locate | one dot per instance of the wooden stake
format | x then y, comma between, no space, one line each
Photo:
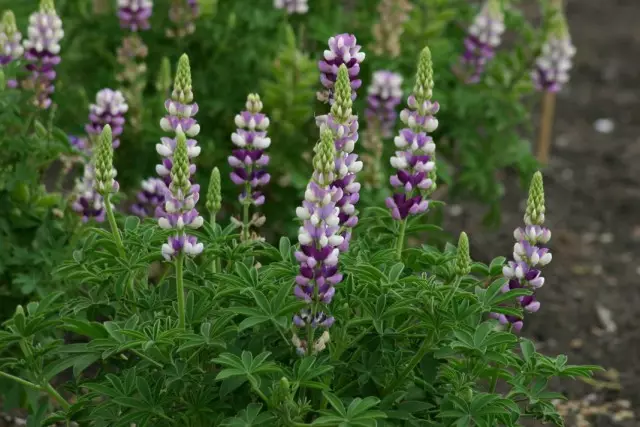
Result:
546,125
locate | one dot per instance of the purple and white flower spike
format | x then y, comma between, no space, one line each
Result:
41,50
292,6
109,109
135,14
529,254
319,247
415,162
385,93
180,112
552,67
183,14
10,39
343,49
89,204
483,37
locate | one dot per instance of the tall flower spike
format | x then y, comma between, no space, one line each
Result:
529,255
214,193
10,39
42,50
414,160
344,125
552,67
483,37
180,118
319,243
135,14
249,160
463,260
109,109
183,14
179,207
292,6
343,49
385,93
105,172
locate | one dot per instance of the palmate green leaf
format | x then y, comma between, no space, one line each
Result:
250,417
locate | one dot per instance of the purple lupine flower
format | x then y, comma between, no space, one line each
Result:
42,49
343,49
135,14
552,67
292,6
78,143
344,126
179,118
109,109
529,256
179,206
249,160
150,198
10,39
183,14
89,204
483,37
415,176
319,243
385,93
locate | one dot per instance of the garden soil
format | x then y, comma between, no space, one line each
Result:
591,298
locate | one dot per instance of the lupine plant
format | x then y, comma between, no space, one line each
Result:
241,332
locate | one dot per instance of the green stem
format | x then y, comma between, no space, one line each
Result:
147,358
452,291
259,392
180,291
245,212
57,396
424,348
21,381
494,378
400,242
214,263
114,226
48,388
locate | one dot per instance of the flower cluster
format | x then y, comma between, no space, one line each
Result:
249,160
183,14
97,181
415,162
529,255
344,126
343,49
292,6
385,93
131,56
42,50
319,244
135,14
10,39
388,30
109,109
552,67
483,37
150,198
179,207
179,118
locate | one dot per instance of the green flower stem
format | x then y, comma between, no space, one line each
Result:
400,242
259,392
245,211
454,288
147,358
48,388
424,348
215,263
180,291
114,226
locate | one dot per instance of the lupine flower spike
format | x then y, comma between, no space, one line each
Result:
414,180
483,37
214,195
180,118
385,93
249,160
552,67
463,260
105,172
134,14
343,49
150,198
10,43
529,255
319,247
109,109
292,6
183,14
42,50
388,30
344,125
